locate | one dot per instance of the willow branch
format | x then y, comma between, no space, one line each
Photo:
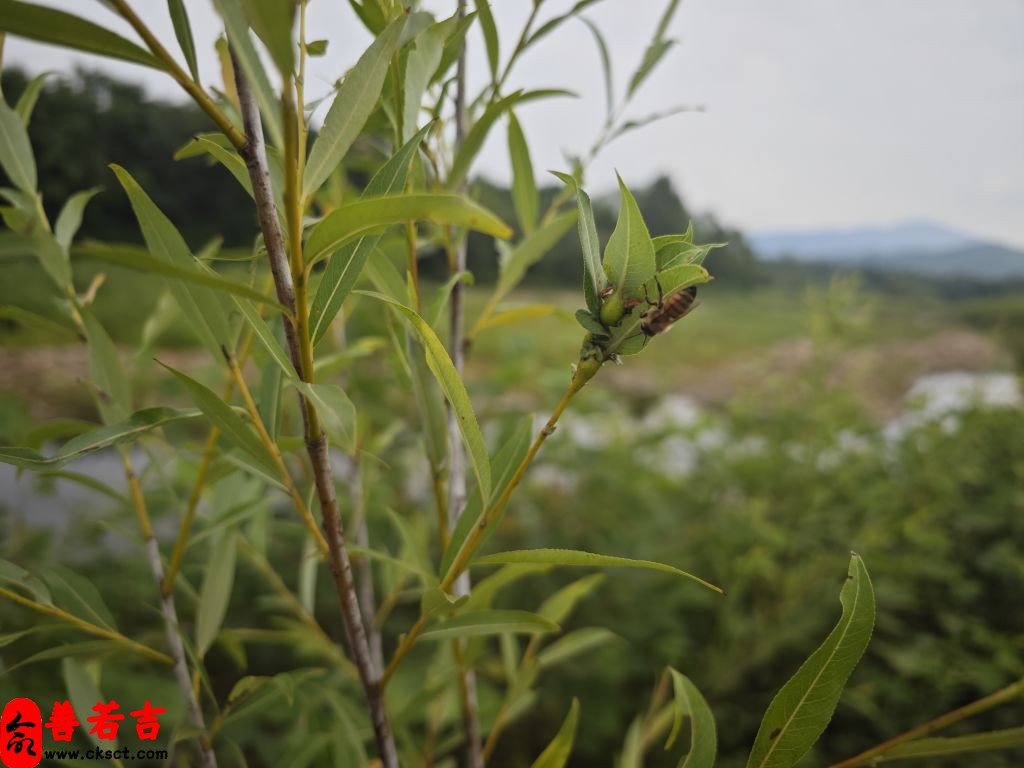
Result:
289,280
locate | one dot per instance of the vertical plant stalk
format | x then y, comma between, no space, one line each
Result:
367,598
193,710
456,454
293,298
1003,695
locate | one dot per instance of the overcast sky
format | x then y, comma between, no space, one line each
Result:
818,113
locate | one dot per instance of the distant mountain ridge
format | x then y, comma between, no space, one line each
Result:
919,247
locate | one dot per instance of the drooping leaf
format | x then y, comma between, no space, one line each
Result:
689,702
224,417
490,622
576,558
524,187
336,410
183,32
530,250
83,693
490,32
227,157
351,108
16,156
594,278
272,21
106,436
215,592
48,25
803,707
606,66
429,405
363,216
262,332
454,389
78,596
556,755
345,266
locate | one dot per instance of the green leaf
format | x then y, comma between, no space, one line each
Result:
594,278
15,574
24,317
524,186
518,315
226,156
558,607
943,746
337,413
657,48
490,32
454,389
434,311
52,257
266,337
345,266
122,432
224,417
29,97
183,31
215,592
606,67
316,47
429,405
115,396
15,150
703,738
51,26
556,755
70,218
629,255
78,596
530,250
201,306
420,65
238,33
802,708
576,558
272,21
477,134
84,693
549,26
351,108
675,278
492,622
361,217
573,644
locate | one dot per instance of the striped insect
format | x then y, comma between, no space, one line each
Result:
669,309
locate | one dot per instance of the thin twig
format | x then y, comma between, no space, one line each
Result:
193,710
291,291
1001,696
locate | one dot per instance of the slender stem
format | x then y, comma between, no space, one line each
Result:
367,598
290,281
1001,696
85,626
193,710
501,718
174,70
472,541
271,445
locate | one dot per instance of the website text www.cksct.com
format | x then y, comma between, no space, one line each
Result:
101,753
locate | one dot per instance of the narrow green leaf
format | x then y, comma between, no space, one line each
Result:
18,576
183,31
238,33
53,258
519,314
429,405
606,67
944,746
70,218
551,25
594,278
29,97
657,48
215,592
629,255
201,306
477,134
453,45
345,266
420,65
576,558
490,32
68,31
115,396
336,411
560,605
690,703
84,693
524,186
135,258
15,150
24,317
106,436
226,156
492,622
674,278
224,417
573,644
530,250
361,217
803,707
266,337
78,596
556,755
434,310
272,21
454,389
357,97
